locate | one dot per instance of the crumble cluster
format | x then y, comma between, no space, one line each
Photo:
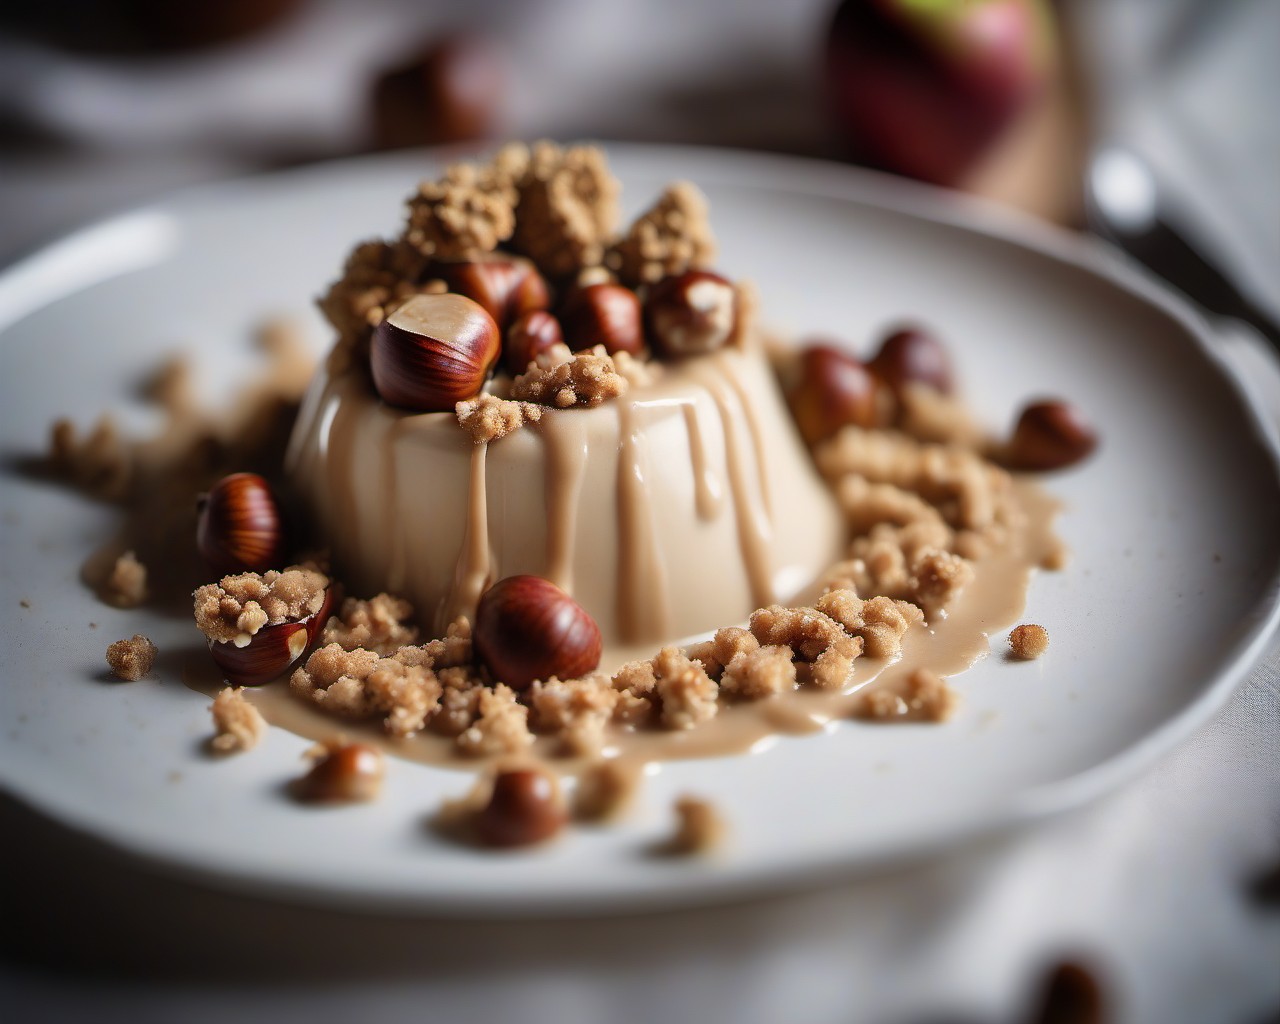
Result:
699,828
920,511
237,724
556,205
437,686
926,696
126,586
587,378
488,417
238,606
669,238
1028,641
98,463
567,210
382,624
131,659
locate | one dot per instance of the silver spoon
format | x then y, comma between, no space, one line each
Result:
1122,202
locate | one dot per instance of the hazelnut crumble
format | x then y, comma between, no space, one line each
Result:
672,237
126,587
237,607
131,659
382,624
588,378
1028,641
237,724
699,828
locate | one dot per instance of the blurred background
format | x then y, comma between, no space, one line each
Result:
1150,123
1164,107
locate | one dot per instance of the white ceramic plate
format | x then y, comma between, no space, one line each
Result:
1171,590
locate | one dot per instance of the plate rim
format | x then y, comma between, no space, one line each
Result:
804,176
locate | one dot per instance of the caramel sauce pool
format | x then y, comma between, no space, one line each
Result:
993,601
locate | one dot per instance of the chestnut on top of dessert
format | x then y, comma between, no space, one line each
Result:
433,352
689,314
507,287
602,314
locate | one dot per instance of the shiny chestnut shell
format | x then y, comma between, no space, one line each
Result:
345,773
602,314
1050,434
911,355
272,650
433,352
524,808
506,288
833,390
689,314
527,338
240,526
527,629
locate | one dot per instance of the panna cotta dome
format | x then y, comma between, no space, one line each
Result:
647,465
676,508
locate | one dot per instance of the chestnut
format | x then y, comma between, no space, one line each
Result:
347,772
433,352
239,526
272,649
602,314
527,629
913,356
506,288
524,808
689,314
1049,435
527,338
834,390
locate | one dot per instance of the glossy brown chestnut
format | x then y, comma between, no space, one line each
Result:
527,338
913,356
346,773
239,526
602,314
1050,435
433,352
689,314
523,809
272,650
834,390
527,628
506,288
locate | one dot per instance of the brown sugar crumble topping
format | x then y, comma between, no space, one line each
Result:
587,378
126,587
1028,641
382,624
699,828
234,609
672,237
237,724
133,658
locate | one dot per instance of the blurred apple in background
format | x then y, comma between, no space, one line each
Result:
923,87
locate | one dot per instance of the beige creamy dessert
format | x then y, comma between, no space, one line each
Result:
680,506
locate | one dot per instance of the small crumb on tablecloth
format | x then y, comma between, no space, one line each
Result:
237,724
131,659
1028,641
